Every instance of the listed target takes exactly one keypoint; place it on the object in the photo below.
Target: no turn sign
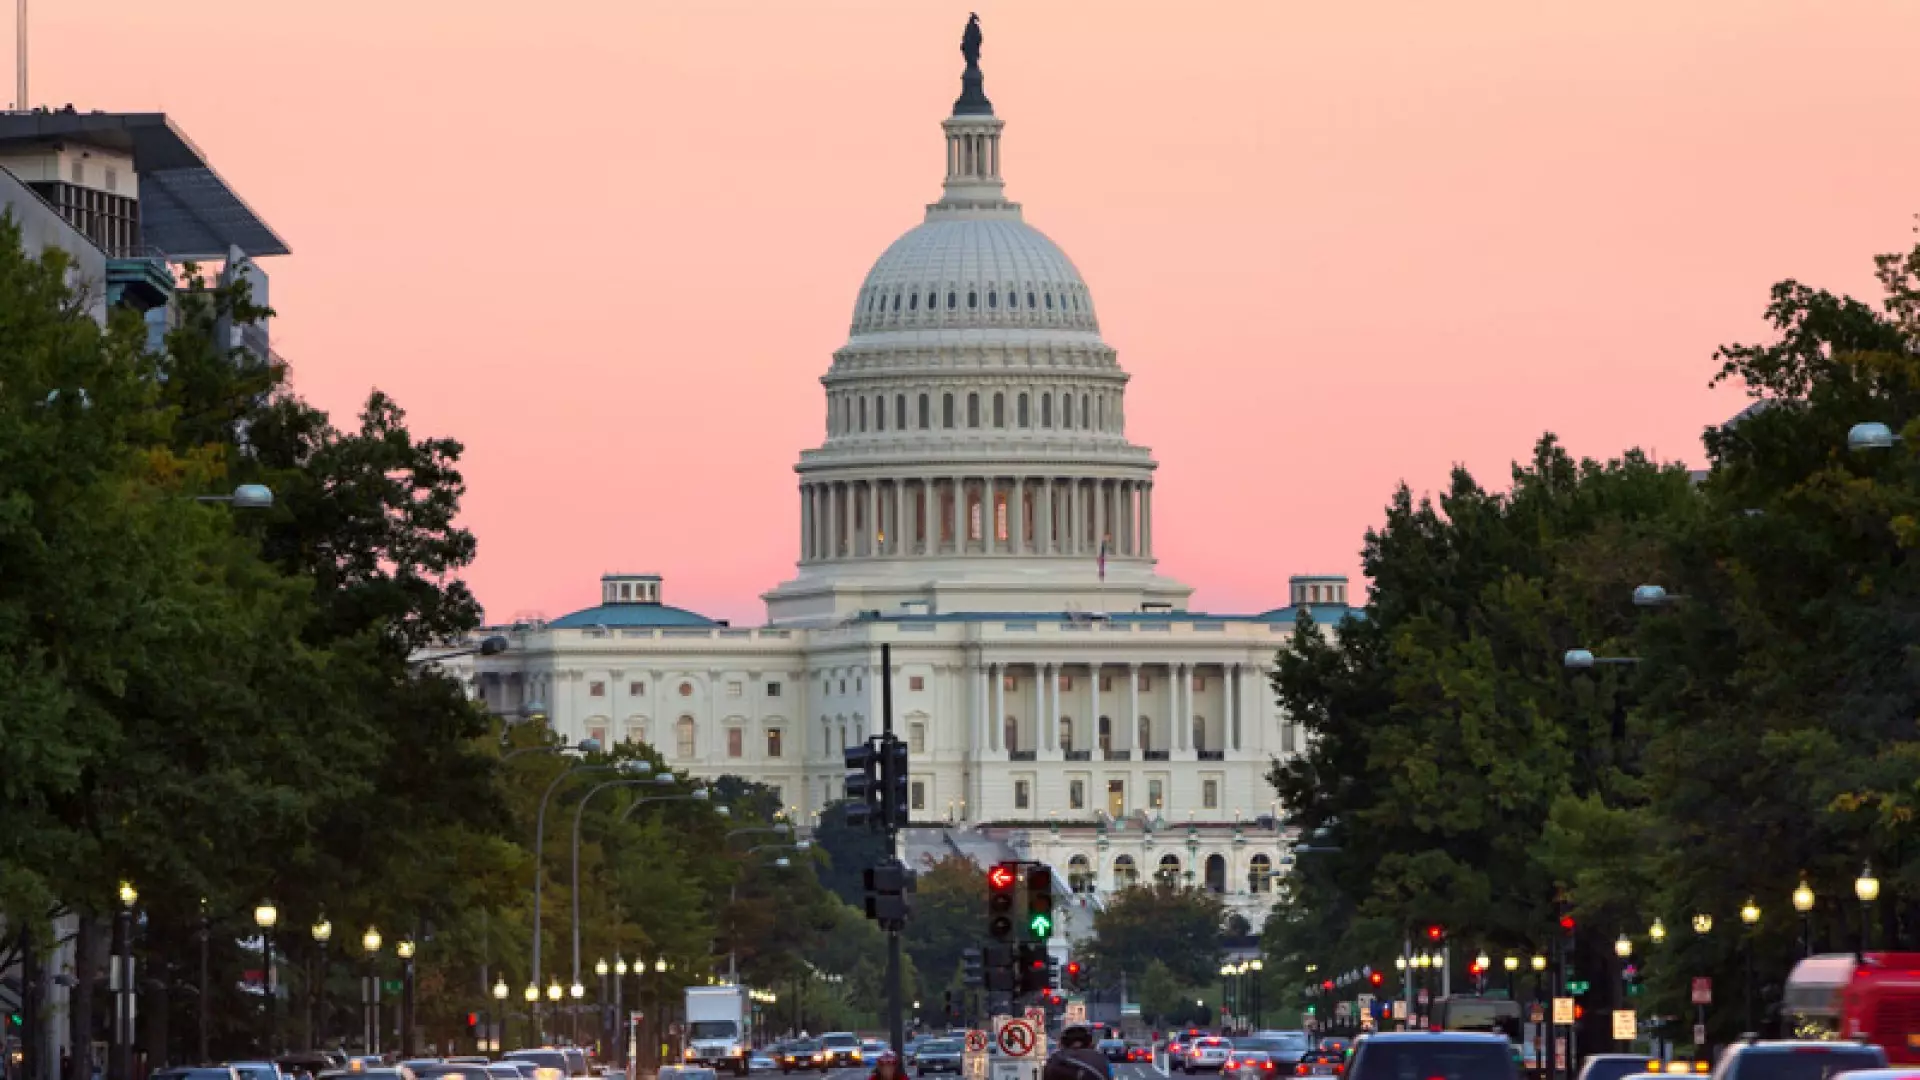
(1017, 1038)
(976, 1041)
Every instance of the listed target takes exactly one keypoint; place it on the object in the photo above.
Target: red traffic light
(1073, 967)
(1566, 924)
(1328, 985)
(1579, 1012)
(1376, 978)
(1001, 877)
(1435, 933)
(473, 1020)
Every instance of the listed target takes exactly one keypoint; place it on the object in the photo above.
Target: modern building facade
(977, 505)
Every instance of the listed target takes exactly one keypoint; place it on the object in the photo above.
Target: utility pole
(877, 796)
(894, 779)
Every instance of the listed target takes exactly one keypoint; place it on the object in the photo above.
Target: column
(1076, 528)
(833, 520)
(849, 524)
(1133, 707)
(1043, 506)
(1039, 706)
(873, 529)
(959, 515)
(1176, 737)
(1053, 714)
(980, 718)
(1017, 516)
(998, 721)
(806, 522)
(1146, 519)
(1093, 723)
(989, 518)
(1100, 529)
(900, 517)
(1232, 672)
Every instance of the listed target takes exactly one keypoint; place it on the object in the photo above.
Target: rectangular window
(598, 734)
(773, 689)
(1146, 681)
(1210, 794)
(636, 733)
(735, 689)
(596, 689)
(113, 180)
(79, 173)
(773, 742)
(919, 795)
(1117, 798)
(1021, 797)
(1066, 682)
(1106, 683)
(916, 682)
(637, 689)
(916, 739)
(1199, 682)
(843, 686)
(1155, 796)
(1008, 682)
(1077, 795)
(736, 742)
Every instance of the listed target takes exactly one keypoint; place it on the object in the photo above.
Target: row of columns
(992, 723)
(958, 515)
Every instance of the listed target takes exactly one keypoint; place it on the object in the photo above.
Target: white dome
(987, 271)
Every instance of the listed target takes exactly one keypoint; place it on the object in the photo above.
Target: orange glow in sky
(611, 244)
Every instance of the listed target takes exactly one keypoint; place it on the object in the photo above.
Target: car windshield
(1612, 1068)
(1434, 1059)
(1804, 1062)
(713, 1029)
(940, 1046)
(840, 1040)
(1271, 1046)
(804, 1046)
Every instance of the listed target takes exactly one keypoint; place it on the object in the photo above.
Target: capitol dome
(975, 455)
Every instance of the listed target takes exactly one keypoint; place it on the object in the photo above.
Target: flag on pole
(1103, 558)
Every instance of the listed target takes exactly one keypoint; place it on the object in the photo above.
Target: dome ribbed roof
(973, 271)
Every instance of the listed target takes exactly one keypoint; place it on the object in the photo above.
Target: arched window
(683, 733)
(1080, 874)
(1020, 409)
(1030, 303)
(925, 419)
(973, 300)
(933, 300)
(1066, 733)
(946, 410)
(999, 409)
(1046, 410)
(1146, 733)
(1126, 874)
(1216, 873)
(1169, 871)
(863, 414)
(896, 301)
(1260, 874)
(913, 302)
(1013, 299)
(1010, 734)
(993, 298)
(1086, 411)
(1100, 416)
(953, 301)
(1049, 301)
(879, 413)
(1106, 735)
(900, 411)
(973, 410)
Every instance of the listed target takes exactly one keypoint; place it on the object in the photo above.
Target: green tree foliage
(1171, 924)
(949, 917)
(850, 850)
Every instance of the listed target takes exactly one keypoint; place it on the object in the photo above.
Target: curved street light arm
(539, 846)
(579, 813)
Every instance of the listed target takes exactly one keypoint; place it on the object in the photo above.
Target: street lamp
(540, 840)
(317, 992)
(1510, 962)
(370, 992)
(1803, 903)
(1867, 888)
(405, 951)
(1623, 947)
(1539, 962)
(500, 990)
(665, 779)
(120, 1064)
(1749, 912)
(1703, 923)
(370, 941)
(1657, 933)
(1653, 596)
(1584, 660)
(266, 916)
(554, 992)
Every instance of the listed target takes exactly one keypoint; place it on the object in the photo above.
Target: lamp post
(532, 994)
(370, 991)
(266, 916)
(1866, 887)
(602, 969)
(1750, 917)
(1257, 965)
(619, 1009)
(317, 988)
(540, 840)
(1623, 948)
(1803, 903)
(120, 982)
(499, 1025)
(1702, 925)
(404, 950)
(579, 812)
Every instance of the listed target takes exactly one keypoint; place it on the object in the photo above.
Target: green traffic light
(1041, 925)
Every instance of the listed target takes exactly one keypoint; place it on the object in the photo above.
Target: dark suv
(1795, 1060)
(1412, 1055)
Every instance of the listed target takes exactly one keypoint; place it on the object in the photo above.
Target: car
(256, 1070)
(1248, 1064)
(1616, 1066)
(840, 1050)
(801, 1055)
(1284, 1047)
(938, 1056)
(762, 1061)
(874, 1047)
(196, 1072)
(1321, 1063)
(451, 1070)
(687, 1072)
(1794, 1059)
(1139, 1054)
(1208, 1053)
(912, 1049)
(1450, 1055)
(1338, 1046)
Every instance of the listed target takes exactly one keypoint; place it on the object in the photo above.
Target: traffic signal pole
(896, 1005)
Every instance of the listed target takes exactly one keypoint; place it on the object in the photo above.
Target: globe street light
(266, 916)
(1510, 962)
(1750, 912)
(1803, 903)
(1703, 923)
(531, 993)
(1539, 962)
(120, 1063)
(1623, 947)
(500, 990)
(370, 941)
(370, 998)
(405, 951)
(1867, 888)
(129, 895)
(554, 992)
(317, 992)
(1657, 933)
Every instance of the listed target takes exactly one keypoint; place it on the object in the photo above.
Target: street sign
(1577, 987)
(1422, 998)
(1018, 1038)
(976, 1041)
(1624, 1026)
(1563, 1010)
(1536, 1014)
(1076, 1012)
(1699, 1036)
(1702, 993)
(390, 986)
(1037, 1017)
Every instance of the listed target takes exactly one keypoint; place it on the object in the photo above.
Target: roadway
(1120, 1072)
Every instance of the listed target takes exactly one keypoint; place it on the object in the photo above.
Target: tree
(1164, 922)
(949, 914)
(1165, 1000)
(850, 850)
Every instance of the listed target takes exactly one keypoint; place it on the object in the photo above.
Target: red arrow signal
(1000, 877)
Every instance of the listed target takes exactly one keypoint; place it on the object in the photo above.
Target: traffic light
(1053, 972)
(1039, 903)
(895, 807)
(999, 960)
(1436, 933)
(473, 1024)
(1035, 966)
(863, 788)
(1000, 882)
(887, 886)
(973, 964)
(1567, 925)
(1376, 978)
(1073, 974)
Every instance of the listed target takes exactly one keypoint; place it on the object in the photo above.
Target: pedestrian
(1077, 1059)
(887, 1067)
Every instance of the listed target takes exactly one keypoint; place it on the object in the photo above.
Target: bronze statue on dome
(973, 96)
(970, 41)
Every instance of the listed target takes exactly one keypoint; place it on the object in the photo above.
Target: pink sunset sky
(611, 244)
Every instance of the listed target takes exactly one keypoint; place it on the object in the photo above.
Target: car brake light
(1300, 1070)
(1231, 1064)
(1267, 1065)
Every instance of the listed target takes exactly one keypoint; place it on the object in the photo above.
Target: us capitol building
(976, 504)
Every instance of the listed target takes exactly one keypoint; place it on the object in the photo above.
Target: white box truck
(717, 1019)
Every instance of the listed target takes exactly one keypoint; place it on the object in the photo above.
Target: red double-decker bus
(1874, 1000)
